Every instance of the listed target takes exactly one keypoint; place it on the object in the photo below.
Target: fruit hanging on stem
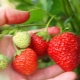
(63, 50)
(25, 62)
(39, 43)
(40, 40)
(21, 39)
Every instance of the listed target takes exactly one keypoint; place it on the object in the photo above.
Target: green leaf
(36, 16)
(56, 7)
(23, 6)
(46, 4)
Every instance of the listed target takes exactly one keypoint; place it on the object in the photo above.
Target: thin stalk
(49, 23)
(19, 26)
(16, 49)
(51, 15)
(32, 25)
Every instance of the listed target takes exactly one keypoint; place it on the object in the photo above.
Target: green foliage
(39, 16)
(67, 10)
(56, 8)
(36, 16)
(47, 4)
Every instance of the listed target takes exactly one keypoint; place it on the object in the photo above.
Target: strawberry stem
(46, 36)
(49, 23)
(52, 16)
(15, 47)
(18, 52)
(30, 25)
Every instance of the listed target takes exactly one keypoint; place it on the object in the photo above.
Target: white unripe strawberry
(22, 39)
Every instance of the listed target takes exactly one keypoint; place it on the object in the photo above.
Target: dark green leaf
(36, 16)
(46, 4)
(56, 7)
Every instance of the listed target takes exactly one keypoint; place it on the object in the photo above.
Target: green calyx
(45, 35)
(4, 61)
(18, 52)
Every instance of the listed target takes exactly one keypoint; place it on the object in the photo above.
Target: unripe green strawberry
(4, 61)
(21, 39)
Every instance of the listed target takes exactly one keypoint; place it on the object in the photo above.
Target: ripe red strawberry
(63, 50)
(39, 42)
(26, 62)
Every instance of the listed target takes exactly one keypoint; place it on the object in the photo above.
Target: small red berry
(26, 62)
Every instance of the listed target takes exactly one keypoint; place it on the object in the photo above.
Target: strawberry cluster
(62, 48)
(30, 49)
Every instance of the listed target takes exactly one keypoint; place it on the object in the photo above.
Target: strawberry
(39, 43)
(21, 39)
(25, 62)
(4, 61)
(63, 50)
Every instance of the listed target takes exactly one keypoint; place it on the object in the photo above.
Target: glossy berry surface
(26, 62)
(63, 50)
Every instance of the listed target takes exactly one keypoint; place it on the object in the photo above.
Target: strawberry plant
(40, 41)
(66, 15)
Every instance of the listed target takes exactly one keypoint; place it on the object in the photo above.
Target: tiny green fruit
(4, 61)
(22, 39)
